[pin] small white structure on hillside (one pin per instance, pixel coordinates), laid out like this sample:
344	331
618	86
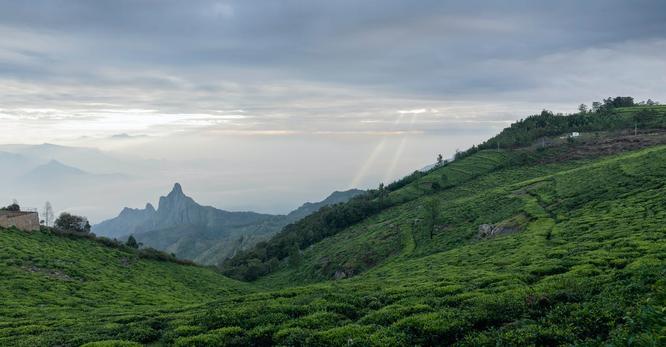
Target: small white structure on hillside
570	135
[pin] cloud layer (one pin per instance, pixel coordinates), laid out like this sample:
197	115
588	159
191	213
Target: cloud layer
87	67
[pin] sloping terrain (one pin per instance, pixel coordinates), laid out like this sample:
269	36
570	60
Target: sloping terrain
584	263
559	242
59	290
580	259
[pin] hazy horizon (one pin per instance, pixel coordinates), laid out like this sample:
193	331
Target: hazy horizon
264	106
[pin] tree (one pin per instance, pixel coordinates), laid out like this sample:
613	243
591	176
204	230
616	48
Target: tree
432	207
618	101
13	207
596	106
582	108
72	223
131	242
48	213
623	101
440	159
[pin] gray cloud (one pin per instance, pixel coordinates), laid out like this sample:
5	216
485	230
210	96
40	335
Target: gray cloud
399	45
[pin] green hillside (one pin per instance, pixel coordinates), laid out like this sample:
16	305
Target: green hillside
560	241
67	290
585	264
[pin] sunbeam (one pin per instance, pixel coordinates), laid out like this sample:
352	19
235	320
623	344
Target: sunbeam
373	155
398	153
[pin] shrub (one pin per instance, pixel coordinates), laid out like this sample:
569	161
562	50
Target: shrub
112	343
229	336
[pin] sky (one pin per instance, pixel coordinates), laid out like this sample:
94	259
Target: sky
263	105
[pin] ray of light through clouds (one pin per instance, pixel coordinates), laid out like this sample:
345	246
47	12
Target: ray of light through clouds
263	105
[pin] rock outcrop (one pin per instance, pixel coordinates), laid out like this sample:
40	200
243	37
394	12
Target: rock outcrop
488	230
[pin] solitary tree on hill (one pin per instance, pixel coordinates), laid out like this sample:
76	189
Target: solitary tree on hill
440	159
131	242
72	223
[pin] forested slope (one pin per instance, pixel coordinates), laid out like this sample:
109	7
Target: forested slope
537	139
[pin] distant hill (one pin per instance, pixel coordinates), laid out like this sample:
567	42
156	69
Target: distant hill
54	170
74	156
55	174
312	207
13	165
203	233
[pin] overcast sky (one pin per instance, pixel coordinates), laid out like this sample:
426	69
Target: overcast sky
399	80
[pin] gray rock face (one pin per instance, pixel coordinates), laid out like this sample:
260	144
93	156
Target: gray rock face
202	233
129	221
340	274
177	209
488	230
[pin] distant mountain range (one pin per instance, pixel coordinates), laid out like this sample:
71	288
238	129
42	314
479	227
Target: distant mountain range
55	173
204	234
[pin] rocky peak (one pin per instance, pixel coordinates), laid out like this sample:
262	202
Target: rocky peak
176	197
177	208
177	190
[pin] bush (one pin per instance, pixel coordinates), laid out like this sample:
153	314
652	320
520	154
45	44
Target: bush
230	336
112	343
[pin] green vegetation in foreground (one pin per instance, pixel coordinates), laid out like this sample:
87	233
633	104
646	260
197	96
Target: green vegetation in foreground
67	290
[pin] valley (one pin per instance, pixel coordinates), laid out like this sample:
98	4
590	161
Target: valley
203	234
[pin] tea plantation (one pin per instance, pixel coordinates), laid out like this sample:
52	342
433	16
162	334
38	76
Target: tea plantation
539	245
65	290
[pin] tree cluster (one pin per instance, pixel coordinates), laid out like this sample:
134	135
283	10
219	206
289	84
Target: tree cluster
68	222
14	207
266	257
604	116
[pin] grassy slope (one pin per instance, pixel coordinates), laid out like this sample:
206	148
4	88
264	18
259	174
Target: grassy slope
588	265
56	289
